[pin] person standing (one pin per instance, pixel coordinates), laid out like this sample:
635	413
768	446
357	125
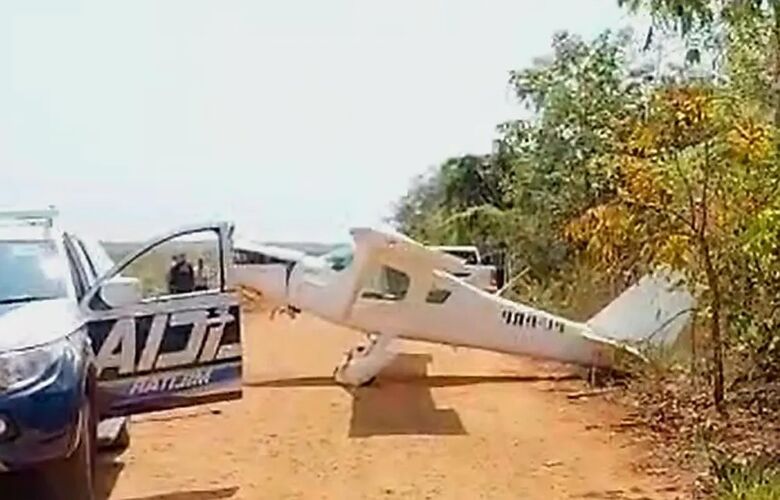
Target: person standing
181	277
201	277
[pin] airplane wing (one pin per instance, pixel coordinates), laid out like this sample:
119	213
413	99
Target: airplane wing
372	239
280	253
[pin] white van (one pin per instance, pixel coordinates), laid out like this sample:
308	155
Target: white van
474	271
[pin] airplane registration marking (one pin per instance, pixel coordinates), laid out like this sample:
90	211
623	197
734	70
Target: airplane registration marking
521	319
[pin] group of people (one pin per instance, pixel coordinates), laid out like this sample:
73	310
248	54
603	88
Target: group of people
183	278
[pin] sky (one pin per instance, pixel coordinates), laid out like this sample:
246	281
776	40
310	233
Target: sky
296	119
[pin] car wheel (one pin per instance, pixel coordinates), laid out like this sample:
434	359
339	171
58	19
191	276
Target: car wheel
72	478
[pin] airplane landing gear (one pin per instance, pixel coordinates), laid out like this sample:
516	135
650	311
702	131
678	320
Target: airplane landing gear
362	364
288	310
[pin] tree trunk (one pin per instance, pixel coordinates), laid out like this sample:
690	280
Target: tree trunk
776	53
715	331
694	352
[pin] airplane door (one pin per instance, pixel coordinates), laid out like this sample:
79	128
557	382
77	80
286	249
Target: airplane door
165	326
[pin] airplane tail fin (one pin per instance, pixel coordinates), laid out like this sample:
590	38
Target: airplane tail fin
654	311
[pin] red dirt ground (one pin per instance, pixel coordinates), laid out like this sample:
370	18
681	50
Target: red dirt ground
440	423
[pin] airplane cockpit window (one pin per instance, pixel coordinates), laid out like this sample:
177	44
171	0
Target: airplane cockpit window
246	257
386	284
339	258
241	256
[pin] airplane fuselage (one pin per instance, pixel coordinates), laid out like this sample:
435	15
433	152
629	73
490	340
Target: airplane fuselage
390	285
435	307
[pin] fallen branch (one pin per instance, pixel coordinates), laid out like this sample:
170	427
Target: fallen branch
589	393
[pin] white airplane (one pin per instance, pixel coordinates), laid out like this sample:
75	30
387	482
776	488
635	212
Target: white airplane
389	286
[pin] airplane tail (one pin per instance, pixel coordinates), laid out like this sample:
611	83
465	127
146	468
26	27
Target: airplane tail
654	311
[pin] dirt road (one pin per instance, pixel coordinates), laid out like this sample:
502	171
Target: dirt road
440	424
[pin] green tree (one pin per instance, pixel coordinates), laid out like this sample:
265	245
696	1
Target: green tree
692	178
521	196
462	201
420	211
577	97
747	31
745	36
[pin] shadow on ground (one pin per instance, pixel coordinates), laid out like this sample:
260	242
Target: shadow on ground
428	381
32	485
392	408
109	468
29	485
211	494
412	369
106	474
401	409
400	401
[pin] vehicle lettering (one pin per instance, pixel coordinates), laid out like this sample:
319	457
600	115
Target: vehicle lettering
199	339
170	382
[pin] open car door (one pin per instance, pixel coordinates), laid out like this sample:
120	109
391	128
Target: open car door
165	325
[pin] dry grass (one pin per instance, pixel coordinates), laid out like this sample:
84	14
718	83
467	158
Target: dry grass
731	453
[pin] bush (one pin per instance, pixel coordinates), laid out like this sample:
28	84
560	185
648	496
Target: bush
755	479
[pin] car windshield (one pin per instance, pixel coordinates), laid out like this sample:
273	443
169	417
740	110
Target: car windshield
30	270
339	258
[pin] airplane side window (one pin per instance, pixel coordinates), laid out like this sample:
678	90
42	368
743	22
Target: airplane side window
387	284
437	296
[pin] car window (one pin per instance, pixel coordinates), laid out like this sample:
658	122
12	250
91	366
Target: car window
98	256
84	261
78	273
467	255
184	264
32	270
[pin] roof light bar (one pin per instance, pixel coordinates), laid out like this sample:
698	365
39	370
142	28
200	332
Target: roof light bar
41	217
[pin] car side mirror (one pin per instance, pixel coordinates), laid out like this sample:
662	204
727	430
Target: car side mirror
121	291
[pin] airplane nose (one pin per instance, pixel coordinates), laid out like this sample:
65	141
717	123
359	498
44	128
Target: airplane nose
270	280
